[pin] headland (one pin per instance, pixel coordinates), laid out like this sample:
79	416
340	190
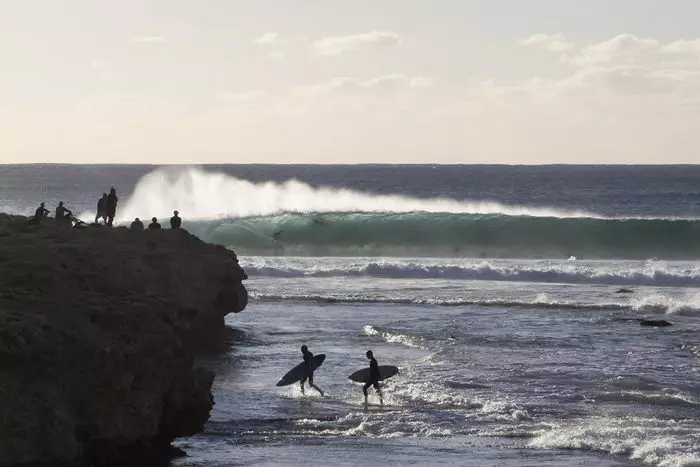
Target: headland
99	332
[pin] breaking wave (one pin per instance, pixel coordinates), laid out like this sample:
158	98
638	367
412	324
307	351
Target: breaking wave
294	218
645	274
436	301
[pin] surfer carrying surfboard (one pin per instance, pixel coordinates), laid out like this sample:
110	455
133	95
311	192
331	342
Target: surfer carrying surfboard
310	367
374	376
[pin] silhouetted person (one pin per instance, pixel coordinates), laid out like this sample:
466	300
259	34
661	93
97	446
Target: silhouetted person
373	376
154	224
309	362
101	209
136	225
40	213
175	221
63	214
111	205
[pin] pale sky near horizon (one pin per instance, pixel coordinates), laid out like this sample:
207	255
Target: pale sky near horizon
339	81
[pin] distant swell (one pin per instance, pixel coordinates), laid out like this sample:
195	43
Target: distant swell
649	276
434	301
690	306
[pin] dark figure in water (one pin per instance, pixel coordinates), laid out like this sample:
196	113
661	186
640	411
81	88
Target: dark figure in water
373	376
40	213
63	214
309	361
154	224
137	225
175	221
101	209
656	323
111	205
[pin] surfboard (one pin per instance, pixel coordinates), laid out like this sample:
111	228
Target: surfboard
299	371
385	372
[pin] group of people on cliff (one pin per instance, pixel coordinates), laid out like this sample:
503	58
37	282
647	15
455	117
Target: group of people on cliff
63	216
106	211
107	207
175	223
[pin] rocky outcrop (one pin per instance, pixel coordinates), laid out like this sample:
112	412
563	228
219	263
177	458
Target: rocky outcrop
99	329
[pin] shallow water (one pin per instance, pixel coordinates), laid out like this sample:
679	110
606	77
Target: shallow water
548	374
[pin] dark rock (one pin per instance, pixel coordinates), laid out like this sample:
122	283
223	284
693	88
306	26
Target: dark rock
99	330
624	291
654	322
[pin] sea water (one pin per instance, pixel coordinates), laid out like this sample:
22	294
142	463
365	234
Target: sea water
495	290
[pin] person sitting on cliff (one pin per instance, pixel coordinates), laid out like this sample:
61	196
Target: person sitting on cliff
310	367
101	209
137	225
154	224
40	213
63	214
175	221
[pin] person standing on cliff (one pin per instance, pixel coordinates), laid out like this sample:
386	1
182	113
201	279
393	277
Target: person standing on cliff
310	367
175	221
101	209
111	206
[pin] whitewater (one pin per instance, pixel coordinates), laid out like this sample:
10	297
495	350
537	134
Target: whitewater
511	298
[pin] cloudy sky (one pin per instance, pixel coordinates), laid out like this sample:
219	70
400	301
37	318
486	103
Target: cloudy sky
341	81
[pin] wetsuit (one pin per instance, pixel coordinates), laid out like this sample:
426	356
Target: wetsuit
373	376
310	367
309	361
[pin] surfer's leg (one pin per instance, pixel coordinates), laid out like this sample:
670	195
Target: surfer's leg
365	388
311	383
301	384
379	391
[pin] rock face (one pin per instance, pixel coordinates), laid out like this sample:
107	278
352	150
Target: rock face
98	333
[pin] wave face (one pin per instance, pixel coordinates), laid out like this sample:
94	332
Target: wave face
294	218
426	234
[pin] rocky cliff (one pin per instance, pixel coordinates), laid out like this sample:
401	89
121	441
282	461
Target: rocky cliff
99	329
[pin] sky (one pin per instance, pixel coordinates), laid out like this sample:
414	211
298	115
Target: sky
340	81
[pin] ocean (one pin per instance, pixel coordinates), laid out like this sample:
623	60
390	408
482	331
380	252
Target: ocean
508	296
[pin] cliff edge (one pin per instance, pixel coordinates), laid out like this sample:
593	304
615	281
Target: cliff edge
98	333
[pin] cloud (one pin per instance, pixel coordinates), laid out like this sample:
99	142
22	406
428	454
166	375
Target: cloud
381	84
624	48
269	38
683	47
622	66
329	46
148	40
551	42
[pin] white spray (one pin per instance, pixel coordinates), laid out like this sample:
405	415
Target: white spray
201	195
